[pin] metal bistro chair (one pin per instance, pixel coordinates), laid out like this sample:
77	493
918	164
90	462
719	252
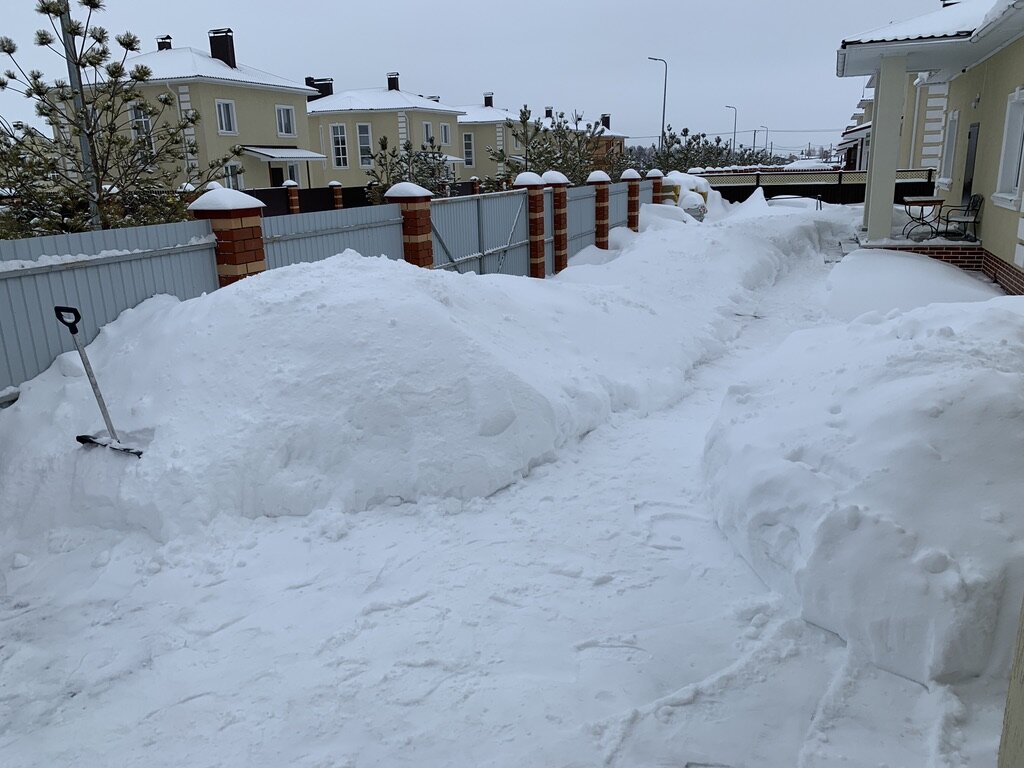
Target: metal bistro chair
962	217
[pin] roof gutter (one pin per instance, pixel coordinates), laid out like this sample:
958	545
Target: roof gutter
983	31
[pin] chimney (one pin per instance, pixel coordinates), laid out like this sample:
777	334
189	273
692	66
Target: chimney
393	81
947	3
489	99
549	113
222	46
163	43
323	84
606	121
435	99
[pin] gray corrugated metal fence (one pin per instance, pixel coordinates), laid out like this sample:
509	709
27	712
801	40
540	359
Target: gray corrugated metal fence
646	191
117	270
582	227
618	205
304	237
483	234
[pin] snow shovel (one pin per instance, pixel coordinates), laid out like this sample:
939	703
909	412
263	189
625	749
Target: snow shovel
71	317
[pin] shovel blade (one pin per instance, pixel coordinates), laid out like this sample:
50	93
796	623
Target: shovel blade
106	442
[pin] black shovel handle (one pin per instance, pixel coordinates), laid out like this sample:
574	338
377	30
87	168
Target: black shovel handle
69	316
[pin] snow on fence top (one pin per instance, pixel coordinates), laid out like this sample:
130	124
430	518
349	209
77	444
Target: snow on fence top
630	174
528	179
408	189
554	177
598	176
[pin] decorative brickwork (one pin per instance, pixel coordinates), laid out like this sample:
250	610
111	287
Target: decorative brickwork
239	236
658	184
633	204
560	221
339	198
293	199
417	239
601	213
1009	276
973	258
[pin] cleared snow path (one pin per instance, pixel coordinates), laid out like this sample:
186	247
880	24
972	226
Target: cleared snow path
591	614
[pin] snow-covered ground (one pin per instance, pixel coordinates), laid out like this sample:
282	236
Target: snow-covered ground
387	516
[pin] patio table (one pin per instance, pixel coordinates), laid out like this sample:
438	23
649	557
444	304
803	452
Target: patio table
929	209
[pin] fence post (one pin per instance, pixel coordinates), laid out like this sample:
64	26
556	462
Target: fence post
658	179
601	182
339	199
560	217
293	196
631	177
476	184
417	238
534	186
235	219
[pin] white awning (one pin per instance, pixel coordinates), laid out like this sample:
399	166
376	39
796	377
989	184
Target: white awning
279	154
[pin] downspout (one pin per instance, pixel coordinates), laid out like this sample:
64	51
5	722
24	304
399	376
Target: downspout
919	84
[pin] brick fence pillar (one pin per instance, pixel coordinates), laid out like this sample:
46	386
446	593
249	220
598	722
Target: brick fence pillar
417	238
293	196
534	186
631	177
476	184
339	198
559	217
601	182
235	218
658	178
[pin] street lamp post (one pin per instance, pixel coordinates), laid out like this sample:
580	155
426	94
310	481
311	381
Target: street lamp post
664	98
735	115
765	138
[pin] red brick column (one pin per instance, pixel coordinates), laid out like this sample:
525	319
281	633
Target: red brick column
235	218
631	177
293	196
534	186
417	239
658	178
601	183
476	185
339	200
559	184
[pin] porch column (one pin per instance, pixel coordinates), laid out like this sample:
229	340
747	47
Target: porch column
885	147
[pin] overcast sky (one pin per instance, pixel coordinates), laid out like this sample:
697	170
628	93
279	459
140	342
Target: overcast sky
774	59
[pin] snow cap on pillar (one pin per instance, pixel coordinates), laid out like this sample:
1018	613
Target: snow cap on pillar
408	189
597	177
654	173
554	177
630	174
334	183
528	179
290	183
218	198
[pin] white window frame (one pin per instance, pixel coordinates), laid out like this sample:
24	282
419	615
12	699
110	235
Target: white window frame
142	126
946	168
234	176
222	129
339	152
470	156
428	131
365	158
286	109
294	172
1011	158
446	134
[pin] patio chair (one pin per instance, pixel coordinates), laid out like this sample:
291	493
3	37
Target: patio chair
958	218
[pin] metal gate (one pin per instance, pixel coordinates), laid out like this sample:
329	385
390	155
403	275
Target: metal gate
485	234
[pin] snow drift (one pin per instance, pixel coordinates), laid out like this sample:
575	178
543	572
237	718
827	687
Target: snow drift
359	381
873	472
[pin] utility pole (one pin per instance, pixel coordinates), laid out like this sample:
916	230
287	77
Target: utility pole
735	115
75	80
664	99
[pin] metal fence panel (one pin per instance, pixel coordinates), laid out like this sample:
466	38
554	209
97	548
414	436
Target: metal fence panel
306	237
646	191
93	243
457	242
506	233
618	205
549	231
101	287
582	225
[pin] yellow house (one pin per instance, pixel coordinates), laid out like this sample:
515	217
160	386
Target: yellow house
239	105
968	65
346	127
482	126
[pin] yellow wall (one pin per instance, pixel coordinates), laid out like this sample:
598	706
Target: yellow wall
484	135
994	81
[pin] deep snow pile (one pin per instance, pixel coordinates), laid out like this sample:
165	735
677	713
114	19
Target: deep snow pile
873	472
358	381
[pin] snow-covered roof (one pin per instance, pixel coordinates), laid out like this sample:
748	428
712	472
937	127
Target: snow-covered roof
958	20
476	113
282	153
191	64
377	100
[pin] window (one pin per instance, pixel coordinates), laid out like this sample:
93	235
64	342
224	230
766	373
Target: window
285	121
467	149
293	172
233	176
428	132
365	137
516	143
1008	186
142	126
226	117
339	144
949	150
446	134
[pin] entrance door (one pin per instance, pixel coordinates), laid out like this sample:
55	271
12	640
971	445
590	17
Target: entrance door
972	155
276	176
